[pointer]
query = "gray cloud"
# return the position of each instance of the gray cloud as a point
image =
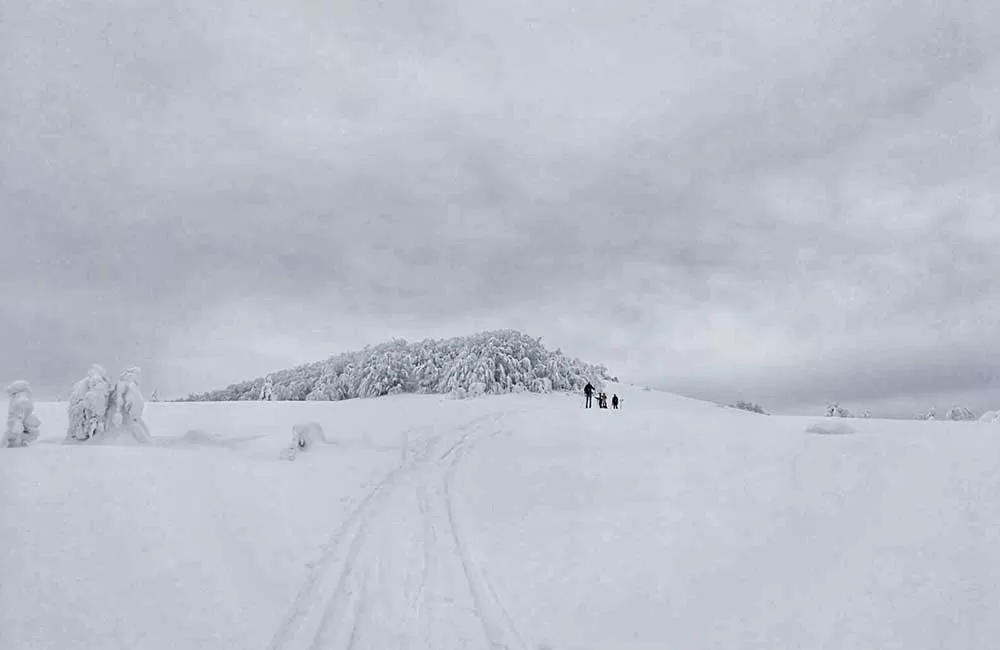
(779, 196)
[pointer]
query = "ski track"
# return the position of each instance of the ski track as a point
(397, 572)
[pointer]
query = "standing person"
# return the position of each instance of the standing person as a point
(614, 401)
(588, 390)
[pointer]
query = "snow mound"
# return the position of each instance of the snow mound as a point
(990, 417)
(199, 438)
(306, 436)
(830, 428)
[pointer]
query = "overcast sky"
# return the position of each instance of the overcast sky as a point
(788, 201)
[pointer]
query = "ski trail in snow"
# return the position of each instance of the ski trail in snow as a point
(497, 623)
(397, 572)
(332, 560)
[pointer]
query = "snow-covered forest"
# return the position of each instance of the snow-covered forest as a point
(501, 361)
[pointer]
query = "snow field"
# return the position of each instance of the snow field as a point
(519, 521)
(680, 529)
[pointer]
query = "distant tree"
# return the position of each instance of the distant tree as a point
(960, 413)
(835, 410)
(749, 406)
(931, 414)
(267, 390)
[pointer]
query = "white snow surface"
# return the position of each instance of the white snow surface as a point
(517, 521)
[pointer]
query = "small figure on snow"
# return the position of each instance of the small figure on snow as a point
(88, 406)
(588, 390)
(22, 424)
(267, 390)
(127, 405)
(614, 401)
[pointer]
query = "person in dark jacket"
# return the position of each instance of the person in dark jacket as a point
(614, 401)
(588, 390)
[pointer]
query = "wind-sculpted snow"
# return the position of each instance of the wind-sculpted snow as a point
(502, 361)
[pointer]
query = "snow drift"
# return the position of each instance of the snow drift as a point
(829, 428)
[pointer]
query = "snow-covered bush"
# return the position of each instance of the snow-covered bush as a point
(959, 413)
(305, 437)
(23, 426)
(501, 361)
(127, 405)
(837, 411)
(929, 415)
(89, 405)
(749, 406)
(990, 417)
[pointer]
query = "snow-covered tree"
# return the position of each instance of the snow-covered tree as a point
(931, 414)
(501, 361)
(89, 405)
(267, 390)
(867, 414)
(835, 410)
(960, 413)
(990, 416)
(23, 426)
(127, 404)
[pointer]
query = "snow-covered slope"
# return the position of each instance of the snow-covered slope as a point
(524, 521)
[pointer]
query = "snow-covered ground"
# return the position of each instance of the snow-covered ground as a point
(521, 521)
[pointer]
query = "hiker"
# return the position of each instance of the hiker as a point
(614, 401)
(602, 400)
(588, 390)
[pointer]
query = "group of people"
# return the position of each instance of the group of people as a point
(602, 398)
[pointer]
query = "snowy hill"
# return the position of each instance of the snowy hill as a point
(496, 362)
(522, 521)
